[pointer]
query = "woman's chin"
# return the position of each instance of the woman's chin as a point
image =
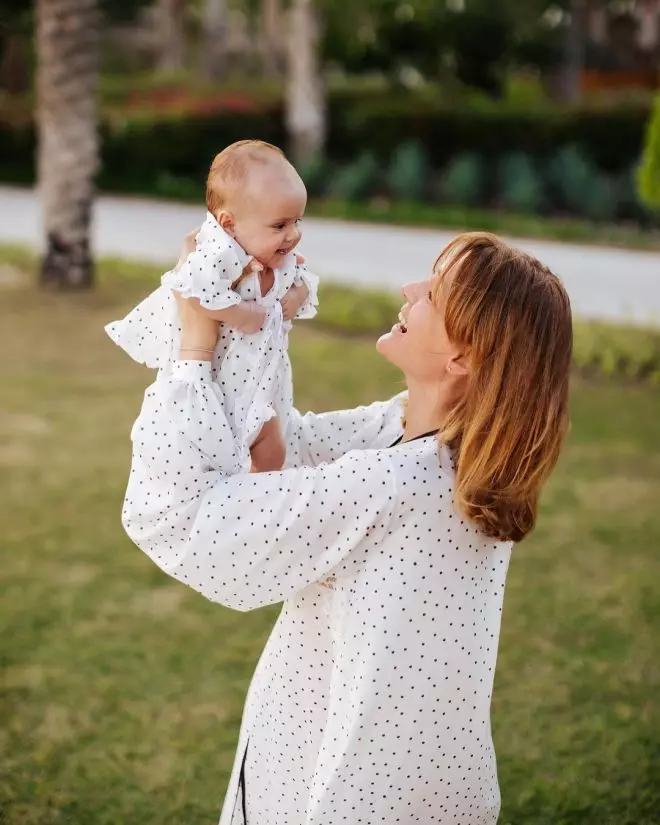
(387, 345)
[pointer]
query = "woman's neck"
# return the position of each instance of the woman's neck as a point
(425, 411)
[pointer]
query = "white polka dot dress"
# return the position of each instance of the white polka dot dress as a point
(371, 701)
(251, 373)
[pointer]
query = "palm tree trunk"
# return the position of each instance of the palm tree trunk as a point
(574, 48)
(171, 22)
(67, 36)
(272, 43)
(305, 94)
(214, 39)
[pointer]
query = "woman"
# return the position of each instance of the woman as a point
(388, 541)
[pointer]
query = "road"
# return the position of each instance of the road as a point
(603, 283)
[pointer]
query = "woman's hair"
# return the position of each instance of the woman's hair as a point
(513, 317)
(230, 169)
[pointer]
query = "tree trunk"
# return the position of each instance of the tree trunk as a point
(571, 85)
(214, 39)
(15, 64)
(67, 35)
(305, 93)
(272, 41)
(171, 23)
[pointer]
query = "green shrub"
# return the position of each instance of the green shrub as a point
(601, 200)
(612, 138)
(316, 176)
(182, 189)
(631, 206)
(617, 351)
(521, 187)
(137, 147)
(408, 174)
(357, 181)
(464, 180)
(570, 175)
(649, 172)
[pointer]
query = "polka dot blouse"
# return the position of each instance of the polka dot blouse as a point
(371, 701)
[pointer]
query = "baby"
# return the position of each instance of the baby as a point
(245, 277)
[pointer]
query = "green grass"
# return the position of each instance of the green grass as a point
(122, 690)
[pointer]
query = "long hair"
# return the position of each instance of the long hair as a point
(512, 316)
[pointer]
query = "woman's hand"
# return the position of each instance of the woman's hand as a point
(199, 333)
(188, 247)
(293, 300)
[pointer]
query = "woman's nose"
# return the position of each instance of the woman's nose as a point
(412, 292)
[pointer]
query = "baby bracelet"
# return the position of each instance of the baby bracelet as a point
(195, 349)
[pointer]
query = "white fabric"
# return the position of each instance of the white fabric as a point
(251, 373)
(371, 701)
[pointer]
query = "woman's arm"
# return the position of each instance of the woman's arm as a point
(312, 438)
(250, 540)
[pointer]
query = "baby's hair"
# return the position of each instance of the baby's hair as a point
(229, 169)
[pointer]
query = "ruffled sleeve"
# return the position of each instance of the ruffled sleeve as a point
(147, 333)
(208, 277)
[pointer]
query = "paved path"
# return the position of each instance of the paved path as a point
(602, 282)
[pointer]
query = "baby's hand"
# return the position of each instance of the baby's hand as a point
(293, 300)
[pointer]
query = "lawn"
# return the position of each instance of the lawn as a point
(122, 690)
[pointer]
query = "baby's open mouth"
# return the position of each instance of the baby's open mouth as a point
(402, 323)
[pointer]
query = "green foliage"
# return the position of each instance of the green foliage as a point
(408, 174)
(649, 173)
(601, 199)
(383, 121)
(581, 188)
(358, 180)
(617, 351)
(316, 175)
(463, 181)
(137, 148)
(570, 175)
(521, 186)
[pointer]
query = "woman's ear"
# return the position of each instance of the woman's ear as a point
(459, 364)
(226, 221)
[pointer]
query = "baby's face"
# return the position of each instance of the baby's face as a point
(267, 214)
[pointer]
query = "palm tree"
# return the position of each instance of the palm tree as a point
(271, 38)
(574, 47)
(305, 93)
(67, 35)
(170, 18)
(214, 38)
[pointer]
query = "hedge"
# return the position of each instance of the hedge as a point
(137, 151)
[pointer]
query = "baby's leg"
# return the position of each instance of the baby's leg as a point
(269, 450)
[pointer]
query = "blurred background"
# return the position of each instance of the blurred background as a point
(409, 122)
